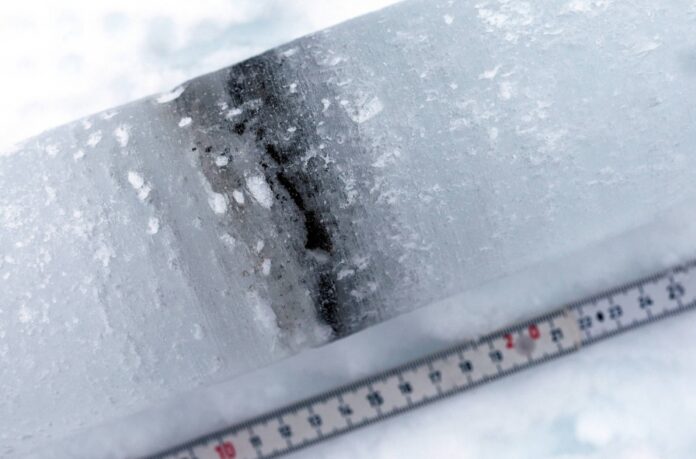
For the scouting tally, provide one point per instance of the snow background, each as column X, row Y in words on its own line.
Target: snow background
column 68, row 59
column 630, row 398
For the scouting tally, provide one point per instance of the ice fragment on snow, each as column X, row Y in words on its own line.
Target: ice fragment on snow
column 217, row 202
column 448, row 19
column 238, row 197
column 185, row 121
column 260, row 191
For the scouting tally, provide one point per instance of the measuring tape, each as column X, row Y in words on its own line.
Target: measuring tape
column 446, row 373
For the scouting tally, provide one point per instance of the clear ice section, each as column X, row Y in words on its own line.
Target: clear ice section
column 340, row 180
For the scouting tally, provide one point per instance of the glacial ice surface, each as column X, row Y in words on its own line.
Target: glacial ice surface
column 380, row 166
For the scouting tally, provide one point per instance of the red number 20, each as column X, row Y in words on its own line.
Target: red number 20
column 226, row 450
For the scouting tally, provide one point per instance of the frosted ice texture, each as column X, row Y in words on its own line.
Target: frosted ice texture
column 332, row 183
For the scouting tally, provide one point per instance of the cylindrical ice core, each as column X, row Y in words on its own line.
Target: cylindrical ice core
column 324, row 186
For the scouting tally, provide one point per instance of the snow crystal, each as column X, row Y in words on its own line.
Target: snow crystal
column 289, row 52
column 106, row 116
column 122, row 135
column 507, row 90
column 233, row 112
column 104, row 254
column 490, row 74
column 342, row 274
column 326, row 103
column 266, row 266
column 138, row 183
column 197, row 332
column 136, row 180
column 170, row 96
column 228, row 240
column 448, row 19
column 386, row 158
column 587, row 6
column 25, row 314
column 221, row 161
column 263, row 314
column 79, row 154
column 94, row 139
column 260, row 191
column 363, row 109
column 185, row 121
column 646, row 47
column 595, row 428
column 52, row 150
column 50, row 195
column 153, row 225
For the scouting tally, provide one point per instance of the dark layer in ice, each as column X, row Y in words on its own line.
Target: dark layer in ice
column 276, row 130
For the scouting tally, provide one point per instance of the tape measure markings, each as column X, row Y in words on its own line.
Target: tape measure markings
column 440, row 375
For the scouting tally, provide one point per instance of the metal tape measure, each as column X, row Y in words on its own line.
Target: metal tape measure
column 452, row 371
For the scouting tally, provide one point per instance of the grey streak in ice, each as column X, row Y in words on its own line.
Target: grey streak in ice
column 326, row 185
